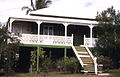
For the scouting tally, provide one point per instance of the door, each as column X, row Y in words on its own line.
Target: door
column 48, row 30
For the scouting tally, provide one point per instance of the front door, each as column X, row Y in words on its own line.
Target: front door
column 48, row 30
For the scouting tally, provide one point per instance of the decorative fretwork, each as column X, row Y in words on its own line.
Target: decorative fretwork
column 46, row 39
column 90, row 42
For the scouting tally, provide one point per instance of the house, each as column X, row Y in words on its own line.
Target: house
column 61, row 35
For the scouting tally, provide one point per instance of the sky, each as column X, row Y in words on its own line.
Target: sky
column 76, row 8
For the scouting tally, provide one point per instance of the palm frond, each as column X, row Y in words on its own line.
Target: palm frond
column 42, row 3
column 32, row 4
column 27, row 9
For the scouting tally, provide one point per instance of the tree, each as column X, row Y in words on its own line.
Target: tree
column 108, row 43
column 8, row 50
column 40, row 4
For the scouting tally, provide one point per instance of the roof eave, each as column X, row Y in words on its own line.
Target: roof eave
column 67, row 17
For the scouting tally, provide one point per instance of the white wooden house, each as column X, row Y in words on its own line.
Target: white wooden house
column 55, row 31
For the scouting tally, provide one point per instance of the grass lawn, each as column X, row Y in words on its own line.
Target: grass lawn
column 113, row 73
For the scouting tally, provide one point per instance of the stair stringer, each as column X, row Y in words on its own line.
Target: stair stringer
column 94, row 59
column 89, row 52
column 91, row 55
column 80, row 60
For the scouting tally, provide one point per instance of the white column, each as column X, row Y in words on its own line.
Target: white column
column 91, row 33
column 72, row 39
column 38, row 22
column 65, row 24
column 95, row 65
column 91, row 30
column 84, row 40
column 10, row 28
column 38, row 49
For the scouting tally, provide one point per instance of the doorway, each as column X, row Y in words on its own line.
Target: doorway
column 48, row 30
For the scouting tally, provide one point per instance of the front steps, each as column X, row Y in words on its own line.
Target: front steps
column 86, row 59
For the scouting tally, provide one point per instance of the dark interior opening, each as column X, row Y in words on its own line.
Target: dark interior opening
column 54, row 53
column 78, row 32
column 23, row 64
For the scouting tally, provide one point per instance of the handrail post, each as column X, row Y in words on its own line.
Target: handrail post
column 95, row 64
column 72, row 39
column 84, row 40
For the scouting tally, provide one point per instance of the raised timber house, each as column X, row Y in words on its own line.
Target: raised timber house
column 59, row 35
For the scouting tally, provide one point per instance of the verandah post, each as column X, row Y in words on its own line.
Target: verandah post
column 72, row 39
column 11, row 21
column 84, row 40
column 38, row 49
column 65, row 53
column 38, row 22
column 91, row 33
column 65, row 24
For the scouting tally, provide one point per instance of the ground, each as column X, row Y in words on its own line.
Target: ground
column 113, row 73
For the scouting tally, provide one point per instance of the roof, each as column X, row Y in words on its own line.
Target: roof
column 77, row 21
column 62, row 12
column 60, row 15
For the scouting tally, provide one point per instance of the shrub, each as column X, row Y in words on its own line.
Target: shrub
column 46, row 65
column 69, row 65
column 33, row 61
column 106, row 61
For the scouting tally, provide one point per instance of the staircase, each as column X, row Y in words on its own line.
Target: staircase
column 85, row 58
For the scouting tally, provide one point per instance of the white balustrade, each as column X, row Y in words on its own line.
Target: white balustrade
column 90, row 42
column 46, row 39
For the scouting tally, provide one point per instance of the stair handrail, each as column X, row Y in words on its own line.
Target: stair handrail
column 78, row 56
column 96, row 65
column 89, row 52
column 94, row 60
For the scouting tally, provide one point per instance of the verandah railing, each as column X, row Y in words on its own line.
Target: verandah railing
column 46, row 39
column 90, row 42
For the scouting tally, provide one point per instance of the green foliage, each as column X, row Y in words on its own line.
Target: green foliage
column 41, row 52
column 106, row 61
column 69, row 65
column 42, row 3
column 46, row 65
column 8, row 50
column 33, row 60
column 108, row 43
